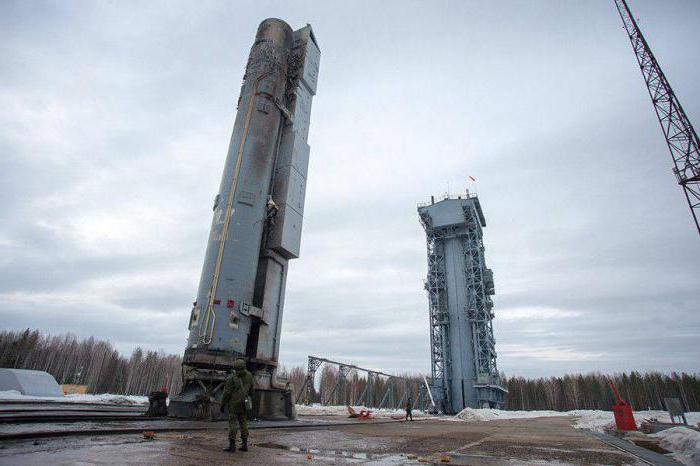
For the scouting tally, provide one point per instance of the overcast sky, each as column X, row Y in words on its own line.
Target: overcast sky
column 115, row 119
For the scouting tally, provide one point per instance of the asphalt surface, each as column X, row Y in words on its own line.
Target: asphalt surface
column 527, row 441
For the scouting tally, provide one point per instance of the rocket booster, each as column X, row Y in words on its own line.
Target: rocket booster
column 258, row 211
column 240, row 205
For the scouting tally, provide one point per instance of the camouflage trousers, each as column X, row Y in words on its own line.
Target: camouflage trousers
column 234, row 421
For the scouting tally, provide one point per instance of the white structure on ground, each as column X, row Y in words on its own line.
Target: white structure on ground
column 28, row 382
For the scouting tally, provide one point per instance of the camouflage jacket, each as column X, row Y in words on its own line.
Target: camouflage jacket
column 239, row 385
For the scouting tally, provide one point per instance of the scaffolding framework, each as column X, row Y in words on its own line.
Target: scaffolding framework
column 479, row 288
column 394, row 394
column 438, row 312
column 462, row 346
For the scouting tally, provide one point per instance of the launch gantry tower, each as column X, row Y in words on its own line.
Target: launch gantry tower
column 460, row 285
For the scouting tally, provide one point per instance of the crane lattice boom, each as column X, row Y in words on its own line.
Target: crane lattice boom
column 679, row 132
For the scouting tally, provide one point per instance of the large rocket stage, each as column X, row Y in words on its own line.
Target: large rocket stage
column 256, row 229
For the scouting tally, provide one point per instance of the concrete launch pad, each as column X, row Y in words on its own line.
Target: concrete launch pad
column 526, row 441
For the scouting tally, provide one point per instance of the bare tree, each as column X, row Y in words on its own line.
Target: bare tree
column 91, row 362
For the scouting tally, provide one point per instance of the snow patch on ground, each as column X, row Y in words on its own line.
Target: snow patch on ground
column 583, row 418
column 109, row 398
column 601, row 420
column 472, row 415
column 14, row 395
column 318, row 410
column 683, row 442
column 594, row 419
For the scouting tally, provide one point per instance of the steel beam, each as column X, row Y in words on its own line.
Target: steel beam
column 389, row 390
column 681, row 138
column 339, row 391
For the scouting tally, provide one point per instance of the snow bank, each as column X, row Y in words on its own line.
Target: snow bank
column 683, row 442
column 595, row 419
column 14, row 395
column 582, row 418
column 109, row 398
column 601, row 420
column 471, row 415
column 318, row 410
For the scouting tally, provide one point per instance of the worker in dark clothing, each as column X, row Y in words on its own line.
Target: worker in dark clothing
column 409, row 407
column 238, row 387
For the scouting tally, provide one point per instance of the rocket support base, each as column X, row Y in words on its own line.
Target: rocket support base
column 271, row 404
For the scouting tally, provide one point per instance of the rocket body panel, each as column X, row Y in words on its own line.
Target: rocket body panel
column 272, row 282
column 256, row 227
column 288, row 191
column 293, row 159
column 230, row 265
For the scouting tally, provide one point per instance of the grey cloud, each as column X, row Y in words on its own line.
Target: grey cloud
column 118, row 117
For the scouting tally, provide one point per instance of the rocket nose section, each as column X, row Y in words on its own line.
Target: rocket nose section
column 275, row 29
column 270, row 21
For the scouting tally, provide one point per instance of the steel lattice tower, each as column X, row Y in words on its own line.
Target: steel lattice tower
column 459, row 285
column 679, row 132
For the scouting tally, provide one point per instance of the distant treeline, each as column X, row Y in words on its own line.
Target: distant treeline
column 90, row 362
column 103, row 369
column 592, row 391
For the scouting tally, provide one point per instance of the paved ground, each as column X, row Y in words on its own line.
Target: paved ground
column 532, row 441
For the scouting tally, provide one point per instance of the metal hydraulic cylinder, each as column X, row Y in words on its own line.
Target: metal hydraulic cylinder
column 255, row 230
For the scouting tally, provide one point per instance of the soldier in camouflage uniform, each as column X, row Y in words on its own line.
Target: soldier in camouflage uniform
column 239, row 386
